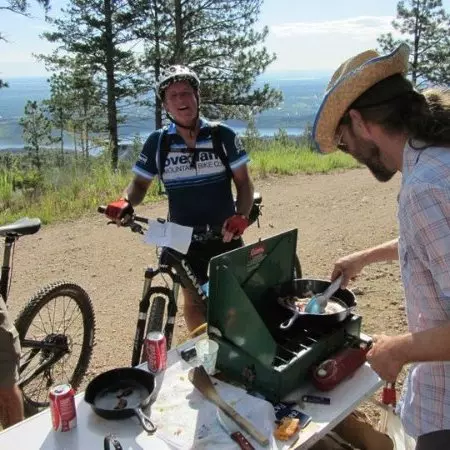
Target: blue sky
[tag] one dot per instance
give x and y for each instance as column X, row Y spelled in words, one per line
column 316, row 35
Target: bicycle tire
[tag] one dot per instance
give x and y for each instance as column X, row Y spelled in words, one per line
column 297, row 268
column 25, row 319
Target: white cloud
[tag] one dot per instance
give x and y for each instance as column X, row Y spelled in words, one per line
column 361, row 27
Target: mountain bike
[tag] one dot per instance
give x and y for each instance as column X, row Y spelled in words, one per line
column 56, row 328
column 158, row 305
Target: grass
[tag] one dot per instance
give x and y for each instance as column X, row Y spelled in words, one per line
column 282, row 159
column 74, row 190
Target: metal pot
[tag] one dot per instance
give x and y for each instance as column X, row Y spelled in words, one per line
column 121, row 393
column 303, row 287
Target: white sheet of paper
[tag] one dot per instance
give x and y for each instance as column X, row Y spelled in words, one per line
column 170, row 235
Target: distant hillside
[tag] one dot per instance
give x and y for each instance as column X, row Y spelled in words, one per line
column 302, row 92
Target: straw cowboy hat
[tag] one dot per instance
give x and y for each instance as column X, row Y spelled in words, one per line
column 351, row 79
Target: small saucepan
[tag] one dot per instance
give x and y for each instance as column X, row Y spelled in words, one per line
column 121, row 393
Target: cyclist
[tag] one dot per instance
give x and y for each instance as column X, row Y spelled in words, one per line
column 11, row 406
column 196, row 176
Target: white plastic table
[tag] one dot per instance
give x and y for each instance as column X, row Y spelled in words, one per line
column 37, row 432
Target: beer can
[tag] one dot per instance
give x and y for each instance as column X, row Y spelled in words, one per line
column 62, row 407
column 156, row 351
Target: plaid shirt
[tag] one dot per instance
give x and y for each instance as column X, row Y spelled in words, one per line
column 424, row 251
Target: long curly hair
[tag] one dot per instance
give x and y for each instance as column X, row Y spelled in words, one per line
column 397, row 107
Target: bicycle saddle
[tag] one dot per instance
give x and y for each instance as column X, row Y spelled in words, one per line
column 21, row 227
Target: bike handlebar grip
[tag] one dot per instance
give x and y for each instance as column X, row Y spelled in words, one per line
column 141, row 219
column 101, row 209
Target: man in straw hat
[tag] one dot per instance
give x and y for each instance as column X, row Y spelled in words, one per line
column 372, row 112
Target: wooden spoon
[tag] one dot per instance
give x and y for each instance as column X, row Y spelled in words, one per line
column 200, row 379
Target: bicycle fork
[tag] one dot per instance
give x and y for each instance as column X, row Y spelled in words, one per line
column 144, row 306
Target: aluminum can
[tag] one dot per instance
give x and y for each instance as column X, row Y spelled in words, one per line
column 62, row 407
column 156, row 351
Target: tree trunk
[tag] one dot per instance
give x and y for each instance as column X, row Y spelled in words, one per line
column 179, row 50
column 157, row 66
column 61, row 136
column 111, row 87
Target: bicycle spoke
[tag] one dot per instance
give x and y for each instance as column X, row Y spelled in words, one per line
column 39, row 314
column 40, row 329
column 48, row 312
column 54, row 310
column 69, row 320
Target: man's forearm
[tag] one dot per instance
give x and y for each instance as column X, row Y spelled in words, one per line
column 429, row 345
column 388, row 251
column 244, row 198
column 135, row 192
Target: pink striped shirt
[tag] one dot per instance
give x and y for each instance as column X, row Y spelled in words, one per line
column 424, row 251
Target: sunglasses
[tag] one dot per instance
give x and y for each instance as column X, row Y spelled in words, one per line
column 340, row 144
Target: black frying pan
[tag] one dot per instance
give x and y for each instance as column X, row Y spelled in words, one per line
column 121, row 393
column 303, row 287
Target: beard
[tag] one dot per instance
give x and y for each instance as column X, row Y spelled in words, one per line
column 369, row 154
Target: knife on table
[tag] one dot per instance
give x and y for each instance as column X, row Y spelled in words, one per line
column 232, row 430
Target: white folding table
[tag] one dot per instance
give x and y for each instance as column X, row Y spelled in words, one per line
column 37, row 432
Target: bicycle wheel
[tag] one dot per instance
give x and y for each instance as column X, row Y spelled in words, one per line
column 60, row 314
column 297, row 268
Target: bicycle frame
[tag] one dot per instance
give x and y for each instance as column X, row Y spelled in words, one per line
column 6, row 267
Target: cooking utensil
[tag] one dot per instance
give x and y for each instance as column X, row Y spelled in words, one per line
column 318, row 302
column 121, row 393
column 200, row 379
column 289, row 322
column 232, row 429
column 305, row 287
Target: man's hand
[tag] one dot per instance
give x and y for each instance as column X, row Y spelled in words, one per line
column 349, row 266
column 234, row 226
column 120, row 211
column 386, row 356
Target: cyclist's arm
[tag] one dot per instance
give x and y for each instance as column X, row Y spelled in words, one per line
column 244, row 190
column 238, row 160
column 136, row 190
column 145, row 169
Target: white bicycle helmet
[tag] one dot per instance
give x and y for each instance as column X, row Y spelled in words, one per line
column 174, row 74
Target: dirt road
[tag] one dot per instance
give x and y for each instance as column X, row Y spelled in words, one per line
column 335, row 214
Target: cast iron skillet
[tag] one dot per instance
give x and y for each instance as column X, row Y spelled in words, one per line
column 133, row 387
column 303, row 287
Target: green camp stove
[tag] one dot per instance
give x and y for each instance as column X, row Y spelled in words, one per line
column 244, row 317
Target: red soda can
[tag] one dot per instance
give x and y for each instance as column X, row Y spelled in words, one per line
column 62, row 407
column 156, row 351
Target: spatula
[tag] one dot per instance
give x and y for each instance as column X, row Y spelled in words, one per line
column 318, row 302
column 200, row 379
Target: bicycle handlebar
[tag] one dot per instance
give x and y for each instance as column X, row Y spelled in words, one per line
column 102, row 210
column 199, row 232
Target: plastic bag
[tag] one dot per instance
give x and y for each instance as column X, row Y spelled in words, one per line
column 390, row 422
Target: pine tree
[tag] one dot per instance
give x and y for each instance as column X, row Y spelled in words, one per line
column 426, row 27
column 99, row 31
column 37, row 132
column 218, row 40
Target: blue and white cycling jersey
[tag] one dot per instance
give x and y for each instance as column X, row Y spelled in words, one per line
column 198, row 194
